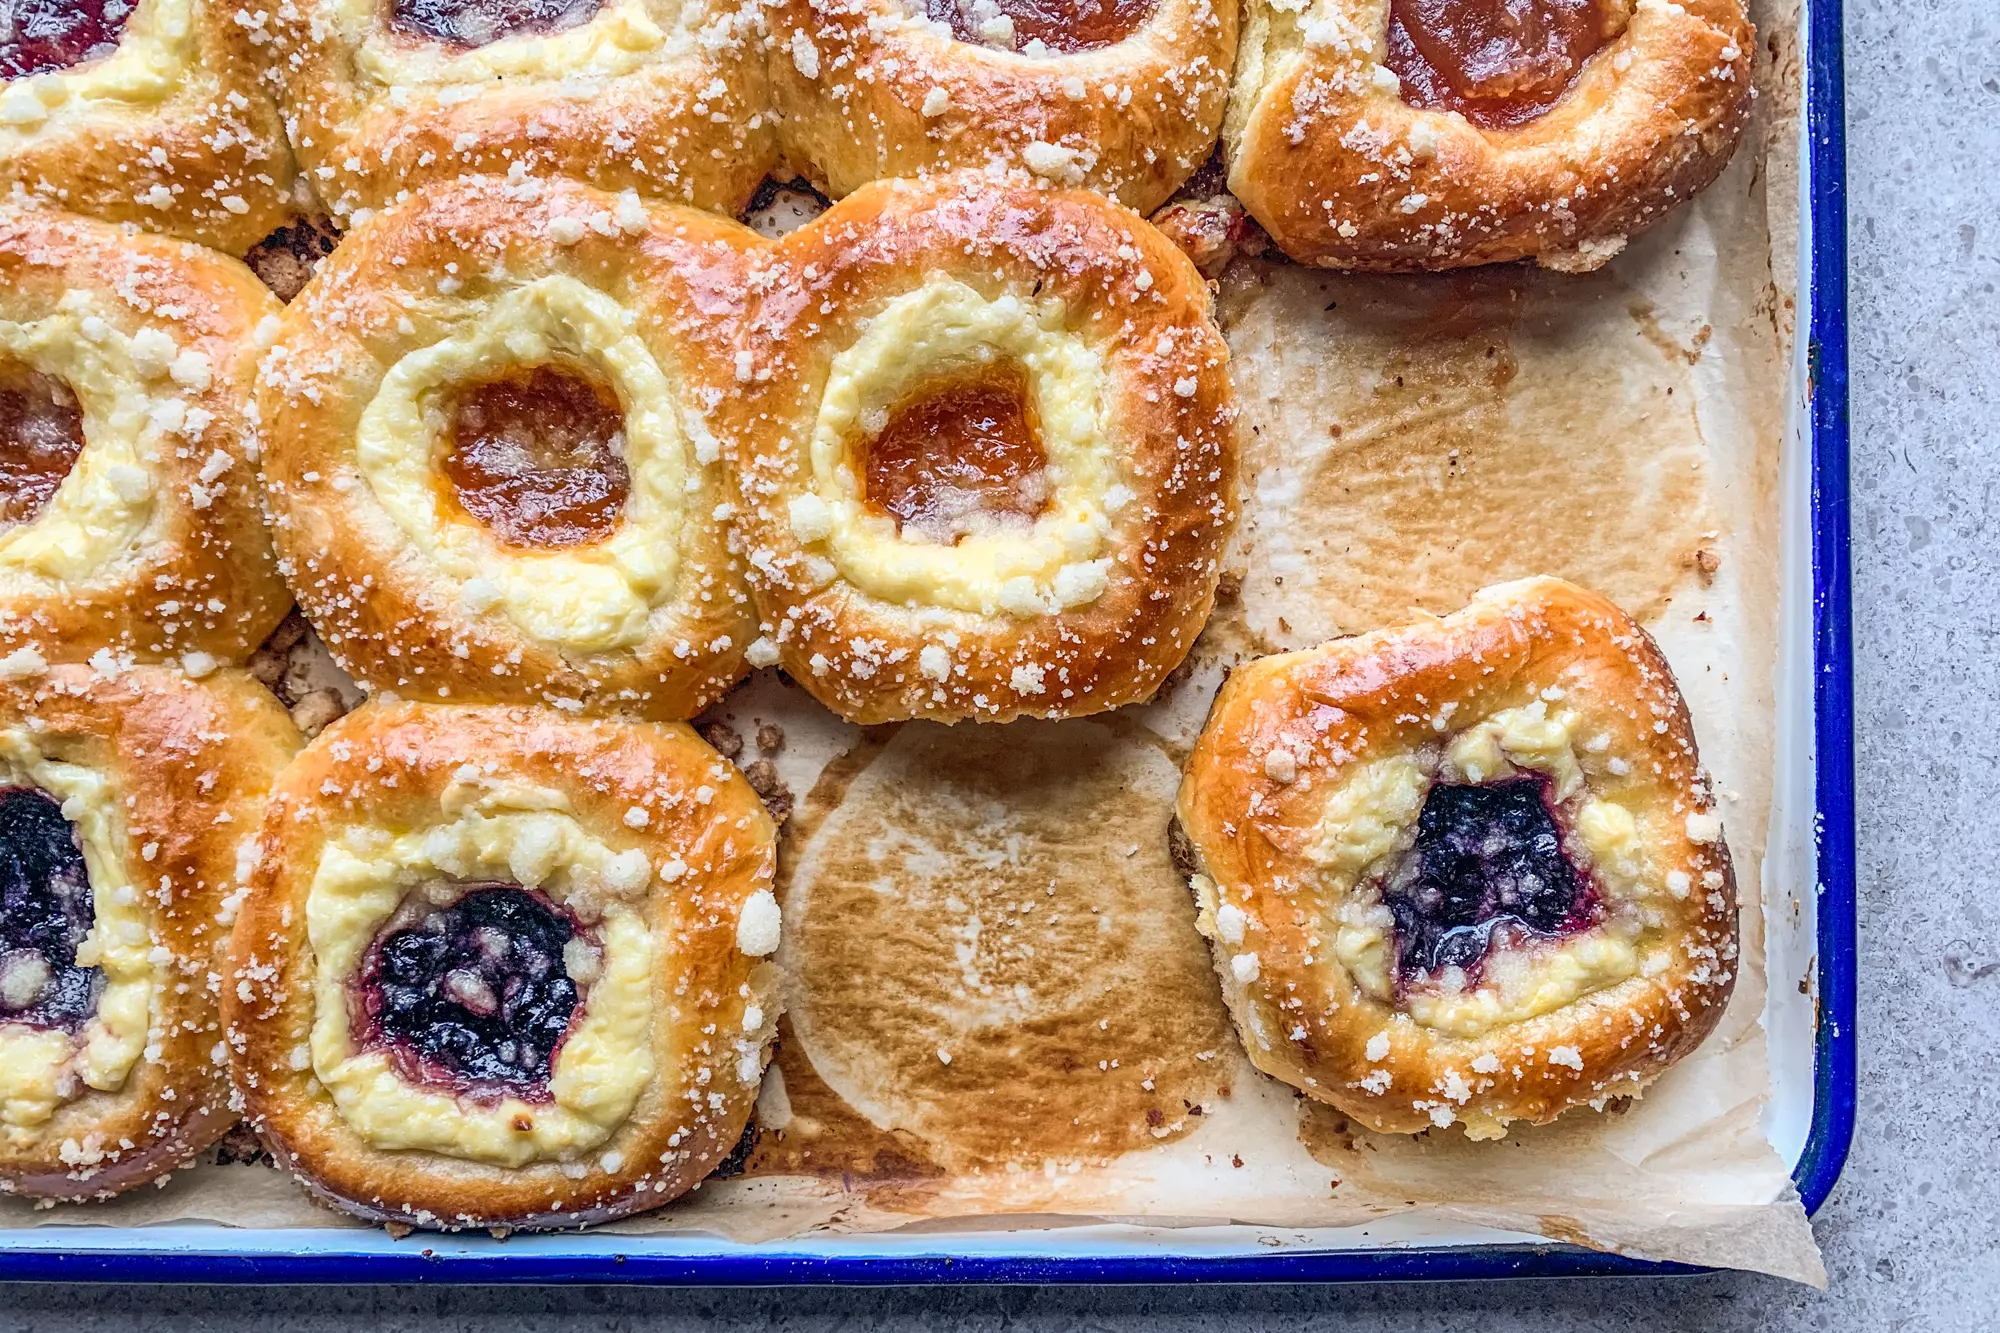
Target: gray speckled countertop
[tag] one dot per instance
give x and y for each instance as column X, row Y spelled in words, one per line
column 1910, row 1237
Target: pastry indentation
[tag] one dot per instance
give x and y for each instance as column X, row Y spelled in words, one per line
column 960, row 457
column 537, row 456
column 476, row 997
column 1498, row 63
column 1038, row 26
column 44, row 36
column 474, row 23
column 41, row 434
column 1488, row 867
column 45, row 914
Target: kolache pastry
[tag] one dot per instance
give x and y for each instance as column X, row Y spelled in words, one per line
column 142, row 111
column 1464, row 872
column 124, row 801
column 984, row 451
column 664, row 97
column 1123, row 96
column 130, row 514
column 489, row 464
column 499, row 968
column 1432, row 134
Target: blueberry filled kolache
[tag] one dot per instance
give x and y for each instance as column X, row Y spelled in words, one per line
column 1121, row 96
column 148, row 112
column 488, row 460
column 383, row 97
column 130, row 514
column 497, row 967
column 984, row 453
column 125, row 802
column 1467, row 871
column 1432, row 134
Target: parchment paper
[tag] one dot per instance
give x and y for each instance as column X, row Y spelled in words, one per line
column 999, row 1005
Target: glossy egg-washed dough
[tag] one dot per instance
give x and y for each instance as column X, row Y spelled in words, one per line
column 664, row 97
column 162, row 778
column 467, row 283
column 153, row 547
column 172, row 131
column 644, row 834
column 871, row 89
column 1305, row 790
column 908, row 284
column 1342, row 172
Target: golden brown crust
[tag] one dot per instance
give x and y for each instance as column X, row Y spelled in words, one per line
column 176, row 334
column 193, row 148
column 1166, row 419
column 1285, row 736
column 390, row 766
column 868, row 91
column 398, row 614
column 1344, row 174
column 660, row 97
column 189, row 763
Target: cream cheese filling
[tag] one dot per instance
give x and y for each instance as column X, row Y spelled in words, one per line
column 41, row 1069
column 622, row 37
column 523, row 835
column 154, row 59
column 944, row 326
column 1370, row 822
column 134, row 416
column 593, row 598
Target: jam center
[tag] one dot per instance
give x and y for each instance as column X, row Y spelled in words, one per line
column 1058, row 25
column 43, row 36
column 1488, row 864
column 1499, row 63
column 538, row 458
column 45, row 912
column 470, row 23
column 476, row 997
column 956, row 458
column 41, row 434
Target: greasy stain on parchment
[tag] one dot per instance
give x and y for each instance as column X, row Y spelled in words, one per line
column 992, row 959
column 1408, row 441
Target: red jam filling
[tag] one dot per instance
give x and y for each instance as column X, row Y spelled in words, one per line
column 43, row 36
column 41, row 434
column 471, row 23
column 959, row 456
column 1498, row 63
column 537, row 458
column 474, row 998
column 1060, row 25
column 1488, row 869
column 45, row 911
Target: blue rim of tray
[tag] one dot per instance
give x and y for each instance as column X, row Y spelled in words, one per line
column 1834, row 1064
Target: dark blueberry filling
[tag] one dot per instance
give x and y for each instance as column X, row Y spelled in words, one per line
column 42, row 36
column 1488, row 865
column 470, row 23
column 45, row 911
column 474, row 997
